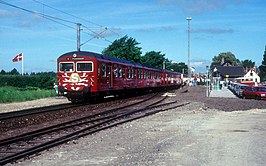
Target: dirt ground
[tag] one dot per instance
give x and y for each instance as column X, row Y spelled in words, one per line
column 7, row 107
column 208, row 131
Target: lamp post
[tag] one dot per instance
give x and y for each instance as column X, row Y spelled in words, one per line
column 188, row 61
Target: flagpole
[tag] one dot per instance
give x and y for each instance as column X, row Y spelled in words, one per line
column 22, row 65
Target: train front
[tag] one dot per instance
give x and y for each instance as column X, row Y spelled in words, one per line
column 75, row 75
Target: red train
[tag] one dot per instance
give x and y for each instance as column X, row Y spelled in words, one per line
column 85, row 75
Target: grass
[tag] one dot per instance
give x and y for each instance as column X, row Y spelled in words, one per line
column 13, row 94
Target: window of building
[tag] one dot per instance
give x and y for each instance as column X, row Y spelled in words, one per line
column 251, row 73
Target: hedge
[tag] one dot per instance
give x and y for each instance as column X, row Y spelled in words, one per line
column 42, row 81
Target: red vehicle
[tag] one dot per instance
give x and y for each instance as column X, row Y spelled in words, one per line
column 255, row 92
column 85, row 75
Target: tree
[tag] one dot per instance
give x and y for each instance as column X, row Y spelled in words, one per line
column 179, row 67
column 154, row 59
column 14, row 72
column 124, row 48
column 3, row 72
column 247, row 64
column 227, row 57
column 262, row 67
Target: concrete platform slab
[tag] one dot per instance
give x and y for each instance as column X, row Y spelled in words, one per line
column 225, row 92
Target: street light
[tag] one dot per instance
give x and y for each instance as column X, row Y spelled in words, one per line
column 188, row 61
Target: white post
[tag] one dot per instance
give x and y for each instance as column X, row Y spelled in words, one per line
column 22, row 65
column 188, row 63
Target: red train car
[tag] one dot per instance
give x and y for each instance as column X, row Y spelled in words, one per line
column 84, row 75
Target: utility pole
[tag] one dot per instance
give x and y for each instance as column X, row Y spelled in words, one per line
column 78, row 36
column 188, row 61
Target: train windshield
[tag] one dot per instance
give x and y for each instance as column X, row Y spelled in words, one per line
column 66, row 67
column 84, row 66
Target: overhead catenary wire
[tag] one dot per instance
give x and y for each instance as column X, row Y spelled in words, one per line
column 94, row 37
column 68, row 13
column 60, row 20
column 77, row 17
column 45, row 16
column 36, row 13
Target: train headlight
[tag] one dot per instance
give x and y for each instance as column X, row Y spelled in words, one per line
column 74, row 77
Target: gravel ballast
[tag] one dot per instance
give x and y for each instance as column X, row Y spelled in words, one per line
column 208, row 131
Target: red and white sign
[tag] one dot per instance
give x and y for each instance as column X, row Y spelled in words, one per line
column 17, row 58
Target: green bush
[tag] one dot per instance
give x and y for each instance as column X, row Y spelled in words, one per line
column 13, row 94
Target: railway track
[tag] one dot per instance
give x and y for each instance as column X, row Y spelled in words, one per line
column 31, row 143
column 39, row 110
column 33, row 111
column 35, row 116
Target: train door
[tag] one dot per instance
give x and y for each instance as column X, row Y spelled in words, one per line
column 135, row 77
column 103, row 77
column 109, row 75
column 145, row 78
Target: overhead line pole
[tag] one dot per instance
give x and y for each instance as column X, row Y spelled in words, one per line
column 78, row 36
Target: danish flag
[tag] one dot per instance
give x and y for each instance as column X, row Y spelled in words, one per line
column 18, row 58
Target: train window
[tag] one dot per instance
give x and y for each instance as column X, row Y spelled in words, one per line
column 145, row 74
column 124, row 71
column 120, row 71
column 104, row 70
column 84, row 66
column 139, row 73
column 129, row 72
column 134, row 73
column 152, row 75
column 116, row 71
column 66, row 67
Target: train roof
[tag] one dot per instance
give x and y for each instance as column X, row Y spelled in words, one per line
column 106, row 57
column 100, row 56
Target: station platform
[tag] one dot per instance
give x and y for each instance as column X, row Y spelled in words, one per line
column 224, row 92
